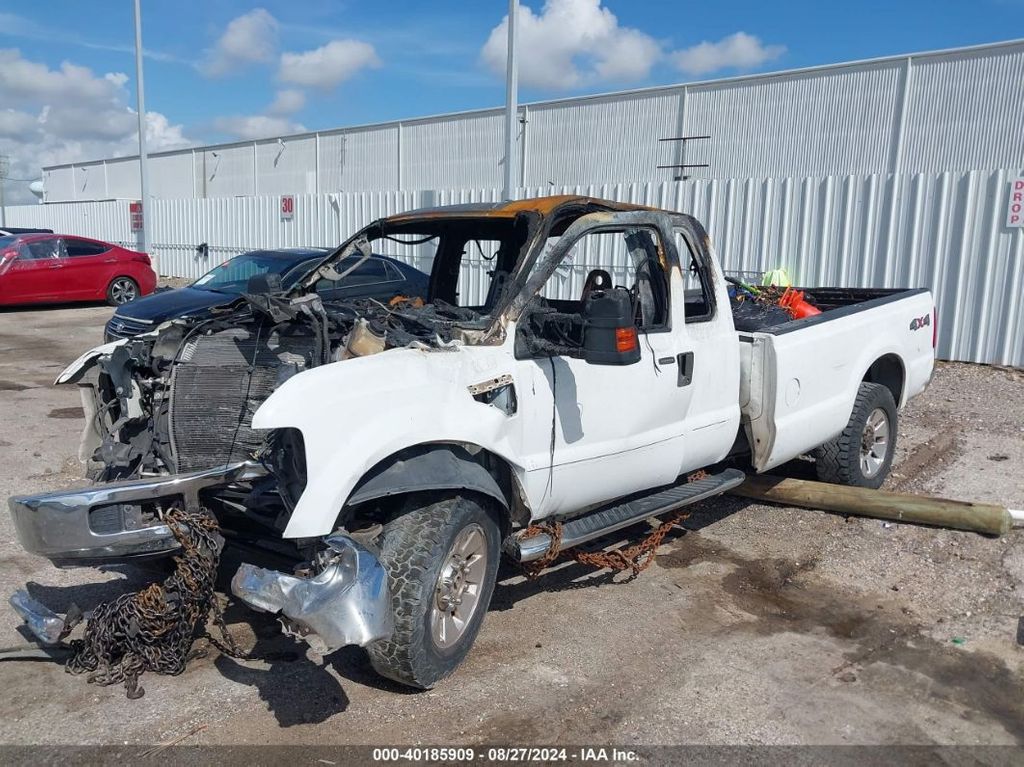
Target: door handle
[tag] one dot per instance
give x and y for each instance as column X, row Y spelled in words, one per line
column 110, row 260
column 685, row 368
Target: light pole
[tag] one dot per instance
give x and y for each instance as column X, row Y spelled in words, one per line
column 143, row 160
column 511, row 97
column 5, row 165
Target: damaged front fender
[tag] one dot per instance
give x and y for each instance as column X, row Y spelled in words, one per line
column 78, row 368
column 347, row 603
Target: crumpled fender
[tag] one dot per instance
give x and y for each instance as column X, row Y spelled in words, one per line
column 356, row 413
column 80, row 366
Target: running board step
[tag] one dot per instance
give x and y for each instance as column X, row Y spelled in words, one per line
column 612, row 518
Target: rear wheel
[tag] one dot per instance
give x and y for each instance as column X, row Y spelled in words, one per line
column 862, row 454
column 441, row 555
column 121, row 290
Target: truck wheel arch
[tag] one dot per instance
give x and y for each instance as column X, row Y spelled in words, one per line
column 441, row 466
column 888, row 371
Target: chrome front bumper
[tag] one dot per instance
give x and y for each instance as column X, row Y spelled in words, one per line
column 65, row 526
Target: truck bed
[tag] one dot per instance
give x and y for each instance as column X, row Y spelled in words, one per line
column 799, row 379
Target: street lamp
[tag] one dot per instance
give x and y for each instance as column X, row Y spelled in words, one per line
column 5, row 166
column 143, row 160
column 511, row 96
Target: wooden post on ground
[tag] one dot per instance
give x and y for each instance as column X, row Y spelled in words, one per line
column 985, row 518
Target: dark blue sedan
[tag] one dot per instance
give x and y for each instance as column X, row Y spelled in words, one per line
column 377, row 277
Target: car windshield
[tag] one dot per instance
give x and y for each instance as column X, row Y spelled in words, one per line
column 7, row 241
column 233, row 276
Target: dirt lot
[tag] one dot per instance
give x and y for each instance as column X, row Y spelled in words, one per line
column 756, row 625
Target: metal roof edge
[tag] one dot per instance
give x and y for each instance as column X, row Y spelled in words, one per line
column 653, row 89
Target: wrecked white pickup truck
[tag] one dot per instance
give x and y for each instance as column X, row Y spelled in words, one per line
column 575, row 360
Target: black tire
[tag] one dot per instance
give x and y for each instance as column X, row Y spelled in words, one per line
column 416, row 545
column 840, row 460
column 120, row 288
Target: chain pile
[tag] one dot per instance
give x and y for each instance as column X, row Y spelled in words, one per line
column 635, row 558
column 153, row 629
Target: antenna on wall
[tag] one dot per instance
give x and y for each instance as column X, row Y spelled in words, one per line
column 680, row 166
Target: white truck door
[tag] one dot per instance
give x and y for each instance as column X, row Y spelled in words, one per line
column 591, row 432
column 708, row 351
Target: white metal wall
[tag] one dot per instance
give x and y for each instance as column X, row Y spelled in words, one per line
column 943, row 231
column 824, row 122
column 930, row 112
column 230, row 226
column 965, row 110
column 108, row 221
column 603, row 138
column 462, row 151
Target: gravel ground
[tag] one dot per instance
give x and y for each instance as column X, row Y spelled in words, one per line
column 756, row 625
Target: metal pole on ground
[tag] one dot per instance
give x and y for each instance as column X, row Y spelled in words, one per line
column 511, row 98
column 140, row 91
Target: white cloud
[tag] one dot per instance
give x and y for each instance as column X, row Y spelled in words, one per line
column 275, row 121
column 287, row 102
column 23, row 81
column 737, row 51
column 629, row 55
column 248, row 39
column 117, row 78
column 161, row 134
column 327, row 66
column 572, row 43
column 53, row 116
column 14, row 124
column 248, row 127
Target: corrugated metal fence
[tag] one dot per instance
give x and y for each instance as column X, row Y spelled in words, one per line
column 942, row 231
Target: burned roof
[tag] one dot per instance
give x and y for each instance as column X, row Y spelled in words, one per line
column 540, row 205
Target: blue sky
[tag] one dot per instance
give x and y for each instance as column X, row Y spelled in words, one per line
column 224, row 69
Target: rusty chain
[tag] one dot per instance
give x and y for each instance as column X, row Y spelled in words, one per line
column 635, row 558
column 153, row 629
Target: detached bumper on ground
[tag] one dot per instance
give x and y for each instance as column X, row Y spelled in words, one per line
column 44, row 623
column 113, row 521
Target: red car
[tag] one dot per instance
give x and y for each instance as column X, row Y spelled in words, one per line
column 54, row 268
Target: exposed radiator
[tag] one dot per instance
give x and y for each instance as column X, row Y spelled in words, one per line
column 218, row 383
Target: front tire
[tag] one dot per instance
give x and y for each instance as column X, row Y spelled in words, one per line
column 121, row 290
column 862, row 455
column 441, row 555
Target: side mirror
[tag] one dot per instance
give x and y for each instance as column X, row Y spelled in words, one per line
column 609, row 336
column 7, row 258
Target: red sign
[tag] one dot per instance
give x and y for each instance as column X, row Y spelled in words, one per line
column 1015, row 205
column 135, row 211
column 287, row 207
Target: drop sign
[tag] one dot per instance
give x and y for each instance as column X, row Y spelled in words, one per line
column 135, row 212
column 1015, row 205
column 287, row 207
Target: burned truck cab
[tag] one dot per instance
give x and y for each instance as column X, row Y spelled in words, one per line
column 323, row 430
column 169, row 414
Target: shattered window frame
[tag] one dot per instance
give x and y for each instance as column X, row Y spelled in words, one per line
column 696, row 268
column 663, row 302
